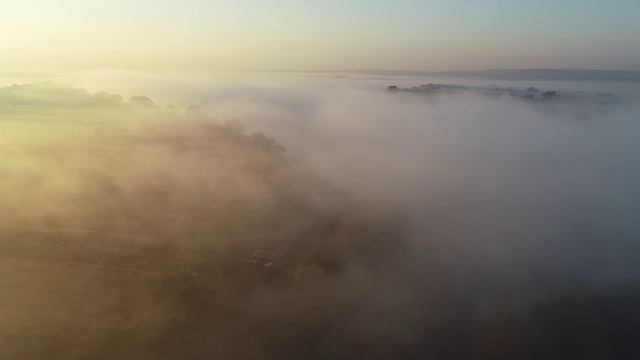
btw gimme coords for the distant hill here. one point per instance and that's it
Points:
(523, 74)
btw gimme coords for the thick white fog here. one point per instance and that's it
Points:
(315, 214)
(497, 183)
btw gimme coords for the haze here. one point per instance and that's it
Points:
(319, 180)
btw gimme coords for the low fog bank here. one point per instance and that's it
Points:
(509, 204)
(133, 232)
(552, 182)
(363, 224)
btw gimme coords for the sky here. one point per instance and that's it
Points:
(289, 35)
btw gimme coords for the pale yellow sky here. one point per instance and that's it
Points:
(239, 35)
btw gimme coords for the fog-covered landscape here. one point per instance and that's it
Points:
(250, 179)
(318, 214)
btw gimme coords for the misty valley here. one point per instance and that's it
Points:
(319, 216)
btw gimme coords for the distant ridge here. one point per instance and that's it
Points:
(521, 74)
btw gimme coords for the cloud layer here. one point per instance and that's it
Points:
(376, 225)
